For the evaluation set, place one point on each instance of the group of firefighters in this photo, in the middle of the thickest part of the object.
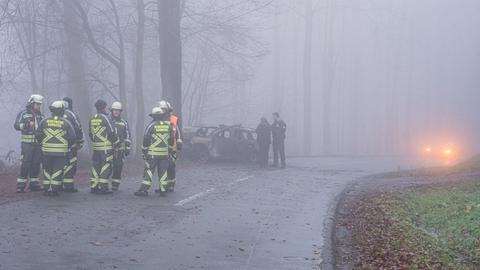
(53, 144)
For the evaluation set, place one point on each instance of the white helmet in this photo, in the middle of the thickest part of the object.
(58, 104)
(35, 99)
(157, 111)
(164, 105)
(116, 106)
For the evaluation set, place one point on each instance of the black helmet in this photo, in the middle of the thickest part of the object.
(100, 105)
(69, 102)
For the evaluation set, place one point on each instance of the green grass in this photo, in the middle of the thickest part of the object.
(444, 223)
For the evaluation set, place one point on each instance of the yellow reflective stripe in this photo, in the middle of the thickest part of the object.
(56, 183)
(93, 182)
(54, 150)
(67, 169)
(94, 173)
(116, 180)
(147, 183)
(21, 180)
(67, 180)
(57, 174)
(150, 173)
(47, 175)
(104, 168)
(28, 138)
(33, 179)
(55, 133)
(103, 181)
(74, 159)
(109, 158)
(163, 183)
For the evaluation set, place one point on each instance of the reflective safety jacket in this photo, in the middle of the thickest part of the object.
(123, 132)
(177, 133)
(158, 139)
(56, 135)
(27, 122)
(101, 133)
(73, 119)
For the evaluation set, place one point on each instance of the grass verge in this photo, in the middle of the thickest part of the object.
(434, 228)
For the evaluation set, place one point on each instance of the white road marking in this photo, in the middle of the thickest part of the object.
(242, 179)
(194, 197)
(206, 192)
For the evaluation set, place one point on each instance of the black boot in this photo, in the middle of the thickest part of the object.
(35, 187)
(115, 186)
(69, 188)
(104, 190)
(142, 191)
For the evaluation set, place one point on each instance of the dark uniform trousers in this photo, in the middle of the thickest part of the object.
(101, 169)
(53, 172)
(118, 158)
(30, 167)
(70, 169)
(278, 151)
(161, 165)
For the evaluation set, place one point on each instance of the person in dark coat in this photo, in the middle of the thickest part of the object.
(264, 140)
(279, 129)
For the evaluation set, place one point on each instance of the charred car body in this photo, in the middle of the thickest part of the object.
(235, 143)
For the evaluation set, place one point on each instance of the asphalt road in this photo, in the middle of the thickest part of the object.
(222, 216)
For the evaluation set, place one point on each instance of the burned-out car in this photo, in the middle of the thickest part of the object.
(221, 143)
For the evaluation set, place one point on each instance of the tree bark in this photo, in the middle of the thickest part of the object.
(307, 80)
(77, 87)
(169, 15)
(139, 74)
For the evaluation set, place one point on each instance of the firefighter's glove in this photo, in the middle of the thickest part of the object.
(179, 145)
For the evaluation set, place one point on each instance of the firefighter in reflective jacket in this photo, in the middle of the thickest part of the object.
(57, 136)
(103, 138)
(157, 144)
(178, 142)
(27, 123)
(123, 149)
(71, 166)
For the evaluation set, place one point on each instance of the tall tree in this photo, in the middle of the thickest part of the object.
(139, 73)
(73, 53)
(307, 79)
(169, 15)
(116, 59)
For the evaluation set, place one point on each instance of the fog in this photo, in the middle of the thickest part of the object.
(349, 77)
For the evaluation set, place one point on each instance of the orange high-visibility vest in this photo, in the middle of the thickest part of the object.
(173, 122)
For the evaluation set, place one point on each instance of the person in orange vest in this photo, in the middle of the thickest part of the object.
(177, 134)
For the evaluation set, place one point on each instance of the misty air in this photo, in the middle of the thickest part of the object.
(239, 134)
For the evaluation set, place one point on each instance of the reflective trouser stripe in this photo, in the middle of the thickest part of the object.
(21, 180)
(94, 179)
(102, 181)
(68, 168)
(116, 181)
(104, 168)
(147, 183)
(162, 181)
(33, 180)
(68, 181)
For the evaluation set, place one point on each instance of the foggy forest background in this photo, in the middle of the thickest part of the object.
(350, 77)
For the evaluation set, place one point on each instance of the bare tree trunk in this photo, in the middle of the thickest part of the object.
(77, 87)
(139, 74)
(169, 12)
(307, 80)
